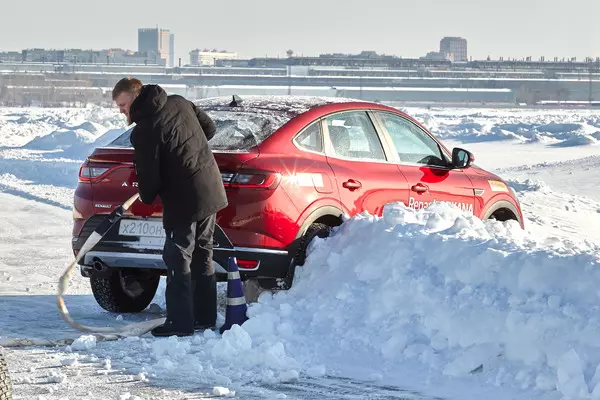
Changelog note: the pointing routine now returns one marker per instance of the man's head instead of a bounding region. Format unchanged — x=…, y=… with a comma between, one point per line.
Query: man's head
x=124, y=93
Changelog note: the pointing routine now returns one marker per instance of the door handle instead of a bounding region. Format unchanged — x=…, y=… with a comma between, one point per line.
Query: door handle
x=351, y=184
x=419, y=188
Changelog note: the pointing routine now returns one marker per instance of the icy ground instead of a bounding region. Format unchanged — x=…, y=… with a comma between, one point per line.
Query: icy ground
x=493, y=312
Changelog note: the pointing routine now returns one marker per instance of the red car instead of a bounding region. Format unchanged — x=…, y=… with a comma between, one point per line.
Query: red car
x=291, y=166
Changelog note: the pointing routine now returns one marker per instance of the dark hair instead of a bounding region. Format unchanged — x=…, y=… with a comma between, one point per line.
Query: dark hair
x=127, y=85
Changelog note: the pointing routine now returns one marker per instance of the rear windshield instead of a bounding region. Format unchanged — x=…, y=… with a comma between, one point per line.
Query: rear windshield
x=236, y=130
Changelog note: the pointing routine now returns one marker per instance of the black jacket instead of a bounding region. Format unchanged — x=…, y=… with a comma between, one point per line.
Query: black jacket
x=172, y=157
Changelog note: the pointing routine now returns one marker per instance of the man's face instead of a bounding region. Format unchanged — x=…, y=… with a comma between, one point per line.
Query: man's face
x=124, y=101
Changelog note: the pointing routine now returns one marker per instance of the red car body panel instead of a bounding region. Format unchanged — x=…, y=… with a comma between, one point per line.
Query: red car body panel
x=298, y=186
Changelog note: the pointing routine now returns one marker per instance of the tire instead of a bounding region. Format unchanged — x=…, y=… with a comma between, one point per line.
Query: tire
x=125, y=290
x=313, y=231
x=5, y=383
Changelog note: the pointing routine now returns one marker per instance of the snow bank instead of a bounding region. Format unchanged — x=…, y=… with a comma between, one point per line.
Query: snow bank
x=488, y=298
x=18, y=126
x=568, y=128
x=60, y=139
x=435, y=289
x=80, y=151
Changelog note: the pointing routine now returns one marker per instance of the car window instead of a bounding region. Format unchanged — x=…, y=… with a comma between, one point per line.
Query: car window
x=411, y=142
x=236, y=130
x=352, y=135
x=311, y=138
x=123, y=140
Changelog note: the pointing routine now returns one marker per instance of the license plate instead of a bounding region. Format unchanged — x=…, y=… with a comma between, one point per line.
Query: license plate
x=129, y=227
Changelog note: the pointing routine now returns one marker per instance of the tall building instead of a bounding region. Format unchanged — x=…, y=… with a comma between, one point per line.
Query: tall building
x=454, y=48
x=209, y=57
x=172, y=50
x=157, y=43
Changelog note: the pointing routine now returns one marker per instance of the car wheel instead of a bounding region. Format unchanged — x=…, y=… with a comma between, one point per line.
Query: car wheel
x=125, y=290
x=313, y=231
x=5, y=383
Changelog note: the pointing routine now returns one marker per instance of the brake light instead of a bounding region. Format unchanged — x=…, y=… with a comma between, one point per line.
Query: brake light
x=247, y=264
x=251, y=179
x=93, y=172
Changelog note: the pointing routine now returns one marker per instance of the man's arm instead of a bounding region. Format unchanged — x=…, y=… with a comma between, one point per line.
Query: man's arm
x=147, y=164
x=206, y=122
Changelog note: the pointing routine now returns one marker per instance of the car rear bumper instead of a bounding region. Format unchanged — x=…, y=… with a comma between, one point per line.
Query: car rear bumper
x=115, y=251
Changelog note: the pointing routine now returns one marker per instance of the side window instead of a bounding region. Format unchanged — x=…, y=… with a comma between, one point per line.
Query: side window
x=352, y=135
x=411, y=142
x=311, y=138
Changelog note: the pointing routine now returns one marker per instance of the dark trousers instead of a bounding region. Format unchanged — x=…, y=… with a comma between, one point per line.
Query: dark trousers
x=191, y=292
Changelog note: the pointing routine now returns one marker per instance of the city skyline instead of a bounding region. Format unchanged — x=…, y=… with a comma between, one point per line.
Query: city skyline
x=393, y=27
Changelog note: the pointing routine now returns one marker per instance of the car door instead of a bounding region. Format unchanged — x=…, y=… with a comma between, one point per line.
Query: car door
x=365, y=177
x=425, y=166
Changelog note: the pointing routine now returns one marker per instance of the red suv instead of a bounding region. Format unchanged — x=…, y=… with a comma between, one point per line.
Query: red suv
x=291, y=166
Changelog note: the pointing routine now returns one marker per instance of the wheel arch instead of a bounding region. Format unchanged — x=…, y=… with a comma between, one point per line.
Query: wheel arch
x=328, y=215
x=506, y=209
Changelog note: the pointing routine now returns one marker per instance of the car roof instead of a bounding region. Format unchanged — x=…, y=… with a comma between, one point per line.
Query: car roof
x=290, y=105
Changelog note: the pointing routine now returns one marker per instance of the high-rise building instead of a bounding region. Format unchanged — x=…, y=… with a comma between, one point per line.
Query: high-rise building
x=172, y=50
x=157, y=43
x=454, y=48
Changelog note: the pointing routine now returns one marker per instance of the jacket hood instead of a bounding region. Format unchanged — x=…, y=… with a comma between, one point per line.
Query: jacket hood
x=150, y=100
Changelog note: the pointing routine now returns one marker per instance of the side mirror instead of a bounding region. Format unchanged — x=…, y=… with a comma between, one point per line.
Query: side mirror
x=462, y=158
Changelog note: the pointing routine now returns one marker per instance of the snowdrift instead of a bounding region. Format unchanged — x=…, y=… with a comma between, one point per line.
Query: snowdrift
x=435, y=290
x=549, y=126
x=61, y=139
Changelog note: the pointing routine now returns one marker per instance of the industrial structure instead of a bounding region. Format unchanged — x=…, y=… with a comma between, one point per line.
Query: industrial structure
x=60, y=77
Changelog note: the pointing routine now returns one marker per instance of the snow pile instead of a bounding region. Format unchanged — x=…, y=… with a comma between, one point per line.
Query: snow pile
x=555, y=127
x=489, y=298
x=18, y=126
x=60, y=139
x=491, y=305
x=81, y=150
x=87, y=342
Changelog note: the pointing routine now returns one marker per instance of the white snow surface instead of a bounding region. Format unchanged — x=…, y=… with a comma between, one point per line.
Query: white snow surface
x=432, y=302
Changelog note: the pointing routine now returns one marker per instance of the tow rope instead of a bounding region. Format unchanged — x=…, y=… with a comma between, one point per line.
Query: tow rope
x=100, y=333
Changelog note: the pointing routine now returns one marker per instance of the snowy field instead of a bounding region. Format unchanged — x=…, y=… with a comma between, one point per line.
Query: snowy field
x=414, y=305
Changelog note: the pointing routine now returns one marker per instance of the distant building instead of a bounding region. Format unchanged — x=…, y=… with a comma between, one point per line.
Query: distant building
x=121, y=56
x=210, y=57
x=10, y=56
x=172, y=50
x=157, y=43
x=454, y=48
x=79, y=56
x=434, y=55
x=43, y=55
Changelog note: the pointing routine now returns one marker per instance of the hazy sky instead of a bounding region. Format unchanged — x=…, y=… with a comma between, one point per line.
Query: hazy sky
x=509, y=28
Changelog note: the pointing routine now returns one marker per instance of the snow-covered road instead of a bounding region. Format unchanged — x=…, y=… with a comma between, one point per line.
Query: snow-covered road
x=386, y=318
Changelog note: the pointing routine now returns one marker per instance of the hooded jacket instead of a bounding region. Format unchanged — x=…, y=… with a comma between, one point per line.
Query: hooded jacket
x=172, y=157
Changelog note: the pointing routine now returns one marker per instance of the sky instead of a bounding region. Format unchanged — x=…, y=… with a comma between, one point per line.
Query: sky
x=510, y=28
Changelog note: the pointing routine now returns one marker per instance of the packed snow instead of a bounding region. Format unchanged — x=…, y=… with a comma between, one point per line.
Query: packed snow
x=413, y=304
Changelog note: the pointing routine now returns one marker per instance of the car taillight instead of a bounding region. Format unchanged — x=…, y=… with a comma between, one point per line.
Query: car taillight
x=251, y=179
x=91, y=172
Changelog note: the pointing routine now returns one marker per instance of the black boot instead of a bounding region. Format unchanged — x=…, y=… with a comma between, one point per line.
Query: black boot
x=168, y=329
x=205, y=302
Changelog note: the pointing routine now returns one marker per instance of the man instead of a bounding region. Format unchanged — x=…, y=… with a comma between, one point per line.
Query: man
x=173, y=161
